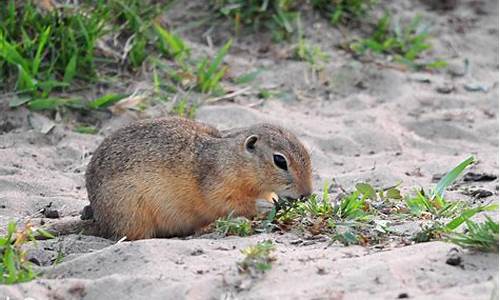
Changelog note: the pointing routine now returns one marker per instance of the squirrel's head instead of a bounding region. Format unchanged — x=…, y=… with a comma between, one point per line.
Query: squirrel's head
x=280, y=161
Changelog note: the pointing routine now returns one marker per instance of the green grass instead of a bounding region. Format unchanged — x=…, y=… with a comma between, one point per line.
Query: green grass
x=308, y=52
x=44, y=51
x=478, y=236
x=209, y=72
x=434, y=202
x=353, y=217
x=406, y=42
x=184, y=109
x=172, y=45
x=55, y=50
x=275, y=16
x=257, y=258
x=233, y=226
x=14, y=267
x=343, y=11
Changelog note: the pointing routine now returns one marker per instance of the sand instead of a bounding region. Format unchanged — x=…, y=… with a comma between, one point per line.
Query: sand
x=361, y=121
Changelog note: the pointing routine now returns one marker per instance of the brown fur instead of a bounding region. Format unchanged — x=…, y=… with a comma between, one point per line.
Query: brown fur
x=170, y=177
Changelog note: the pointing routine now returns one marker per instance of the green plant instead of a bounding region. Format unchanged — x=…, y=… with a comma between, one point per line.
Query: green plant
x=43, y=51
x=307, y=52
x=310, y=53
x=405, y=42
x=210, y=72
x=85, y=129
x=48, y=50
x=441, y=210
x=480, y=236
x=14, y=267
x=276, y=16
x=257, y=258
x=184, y=109
x=233, y=226
x=435, y=204
x=343, y=11
x=134, y=20
x=172, y=45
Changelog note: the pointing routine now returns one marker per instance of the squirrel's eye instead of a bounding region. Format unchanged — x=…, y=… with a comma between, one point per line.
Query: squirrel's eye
x=280, y=161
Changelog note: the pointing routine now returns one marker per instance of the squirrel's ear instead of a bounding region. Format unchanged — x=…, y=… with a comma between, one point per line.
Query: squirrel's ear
x=250, y=142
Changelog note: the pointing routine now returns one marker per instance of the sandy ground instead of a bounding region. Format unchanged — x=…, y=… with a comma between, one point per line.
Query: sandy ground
x=362, y=122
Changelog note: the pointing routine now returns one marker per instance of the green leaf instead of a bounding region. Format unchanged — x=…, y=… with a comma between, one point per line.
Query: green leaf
x=45, y=233
x=86, y=129
x=248, y=77
x=10, y=54
x=366, y=190
x=70, y=70
x=106, y=100
x=41, y=45
x=11, y=228
x=393, y=193
x=467, y=214
x=438, y=64
x=449, y=178
x=25, y=82
x=171, y=43
x=46, y=104
x=218, y=58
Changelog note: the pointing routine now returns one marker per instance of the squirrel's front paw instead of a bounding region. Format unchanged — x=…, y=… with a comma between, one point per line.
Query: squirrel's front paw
x=263, y=207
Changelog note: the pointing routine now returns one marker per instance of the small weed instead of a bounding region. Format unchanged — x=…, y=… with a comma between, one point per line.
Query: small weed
x=406, y=43
x=307, y=52
x=233, y=226
x=106, y=100
x=441, y=210
x=480, y=236
x=364, y=216
x=248, y=77
x=184, y=109
x=43, y=51
x=172, y=45
x=435, y=204
x=310, y=53
x=343, y=11
x=210, y=72
x=85, y=129
x=276, y=16
x=257, y=259
x=14, y=267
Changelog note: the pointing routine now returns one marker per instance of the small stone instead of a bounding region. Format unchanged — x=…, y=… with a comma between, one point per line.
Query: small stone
x=197, y=252
x=321, y=271
x=454, y=258
x=470, y=176
x=50, y=213
x=480, y=193
x=403, y=296
x=445, y=88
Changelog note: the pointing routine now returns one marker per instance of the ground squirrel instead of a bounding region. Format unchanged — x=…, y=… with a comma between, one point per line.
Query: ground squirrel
x=172, y=176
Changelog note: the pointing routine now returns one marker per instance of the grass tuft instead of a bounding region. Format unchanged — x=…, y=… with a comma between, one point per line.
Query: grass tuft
x=343, y=11
x=478, y=236
x=233, y=226
x=257, y=259
x=14, y=267
x=406, y=42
